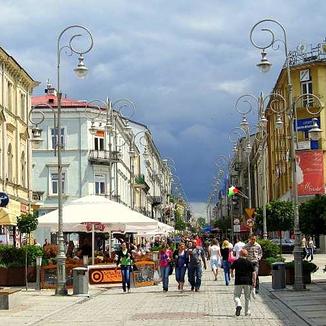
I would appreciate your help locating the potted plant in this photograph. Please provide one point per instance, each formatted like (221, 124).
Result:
(307, 269)
(271, 254)
(12, 264)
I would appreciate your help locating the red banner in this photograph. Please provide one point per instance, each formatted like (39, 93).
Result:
(310, 172)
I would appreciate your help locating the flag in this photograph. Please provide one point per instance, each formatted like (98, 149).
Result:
(232, 191)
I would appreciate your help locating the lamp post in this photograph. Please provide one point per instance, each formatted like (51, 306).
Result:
(81, 71)
(252, 102)
(264, 65)
(112, 111)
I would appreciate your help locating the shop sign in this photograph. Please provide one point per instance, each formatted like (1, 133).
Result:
(104, 275)
(97, 226)
(23, 208)
(236, 228)
(4, 199)
(144, 273)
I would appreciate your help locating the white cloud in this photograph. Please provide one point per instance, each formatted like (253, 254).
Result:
(198, 209)
(233, 87)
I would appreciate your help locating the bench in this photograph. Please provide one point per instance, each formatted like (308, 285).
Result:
(7, 298)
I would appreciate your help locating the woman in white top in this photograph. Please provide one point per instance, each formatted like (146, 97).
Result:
(215, 257)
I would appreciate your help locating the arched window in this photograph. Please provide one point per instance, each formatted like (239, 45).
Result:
(9, 166)
(23, 169)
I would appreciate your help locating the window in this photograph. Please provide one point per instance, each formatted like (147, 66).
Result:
(306, 88)
(54, 183)
(99, 143)
(23, 106)
(54, 137)
(23, 169)
(10, 95)
(99, 184)
(9, 162)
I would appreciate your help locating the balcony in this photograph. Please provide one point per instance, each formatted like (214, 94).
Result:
(155, 200)
(140, 182)
(103, 157)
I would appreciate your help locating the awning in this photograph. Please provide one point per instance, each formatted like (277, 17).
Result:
(6, 217)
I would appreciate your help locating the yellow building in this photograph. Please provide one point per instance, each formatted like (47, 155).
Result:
(308, 75)
(16, 87)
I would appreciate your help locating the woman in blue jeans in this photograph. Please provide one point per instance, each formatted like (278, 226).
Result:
(226, 247)
(180, 257)
(165, 258)
(125, 262)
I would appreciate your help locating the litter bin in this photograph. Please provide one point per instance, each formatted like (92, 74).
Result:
(80, 281)
(278, 276)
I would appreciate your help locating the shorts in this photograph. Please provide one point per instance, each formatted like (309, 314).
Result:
(215, 263)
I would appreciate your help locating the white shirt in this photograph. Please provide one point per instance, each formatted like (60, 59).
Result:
(214, 251)
(237, 248)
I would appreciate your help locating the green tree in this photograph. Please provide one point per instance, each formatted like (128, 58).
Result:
(27, 223)
(279, 216)
(201, 221)
(180, 224)
(312, 215)
(224, 224)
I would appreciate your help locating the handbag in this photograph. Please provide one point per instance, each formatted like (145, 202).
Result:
(231, 258)
(171, 265)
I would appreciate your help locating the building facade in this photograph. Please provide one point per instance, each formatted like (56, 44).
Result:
(16, 87)
(308, 75)
(101, 155)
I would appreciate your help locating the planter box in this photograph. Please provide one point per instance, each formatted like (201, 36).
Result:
(15, 276)
(289, 272)
(264, 268)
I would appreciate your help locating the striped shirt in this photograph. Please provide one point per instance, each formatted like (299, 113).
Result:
(254, 252)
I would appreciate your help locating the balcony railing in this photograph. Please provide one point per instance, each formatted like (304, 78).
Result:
(140, 182)
(103, 157)
(155, 200)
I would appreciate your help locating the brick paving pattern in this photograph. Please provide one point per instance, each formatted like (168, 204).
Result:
(212, 305)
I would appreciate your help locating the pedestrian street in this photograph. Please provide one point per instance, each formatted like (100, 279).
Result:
(212, 305)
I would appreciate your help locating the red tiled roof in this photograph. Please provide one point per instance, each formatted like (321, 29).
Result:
(52, 100)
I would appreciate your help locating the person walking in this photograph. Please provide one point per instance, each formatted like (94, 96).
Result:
(180, 257)
(245, 278)
(165, 257)
(125, 262)
(237, 247)
(196, 258)
(215, 257)
(255, 254)
(225, 253)
(310, 249)
(304, 247)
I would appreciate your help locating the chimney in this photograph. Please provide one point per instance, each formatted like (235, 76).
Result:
(50, 90)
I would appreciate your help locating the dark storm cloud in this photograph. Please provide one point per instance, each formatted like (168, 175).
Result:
(183, 63)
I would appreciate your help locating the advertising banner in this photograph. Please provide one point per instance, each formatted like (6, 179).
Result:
(310, 176)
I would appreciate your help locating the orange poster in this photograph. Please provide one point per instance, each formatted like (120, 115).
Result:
(104, 275)
(310, 172)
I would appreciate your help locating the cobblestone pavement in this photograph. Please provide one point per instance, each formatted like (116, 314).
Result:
(146, 306)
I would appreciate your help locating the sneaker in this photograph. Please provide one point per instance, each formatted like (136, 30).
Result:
(248, 313)
(238, 310)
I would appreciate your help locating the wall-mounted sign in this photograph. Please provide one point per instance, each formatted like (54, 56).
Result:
(236, 228)
(4, 199)
(309, 171)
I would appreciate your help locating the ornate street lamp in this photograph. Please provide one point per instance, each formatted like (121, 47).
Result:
(81, 72)
(258, 103)
(265, 66)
